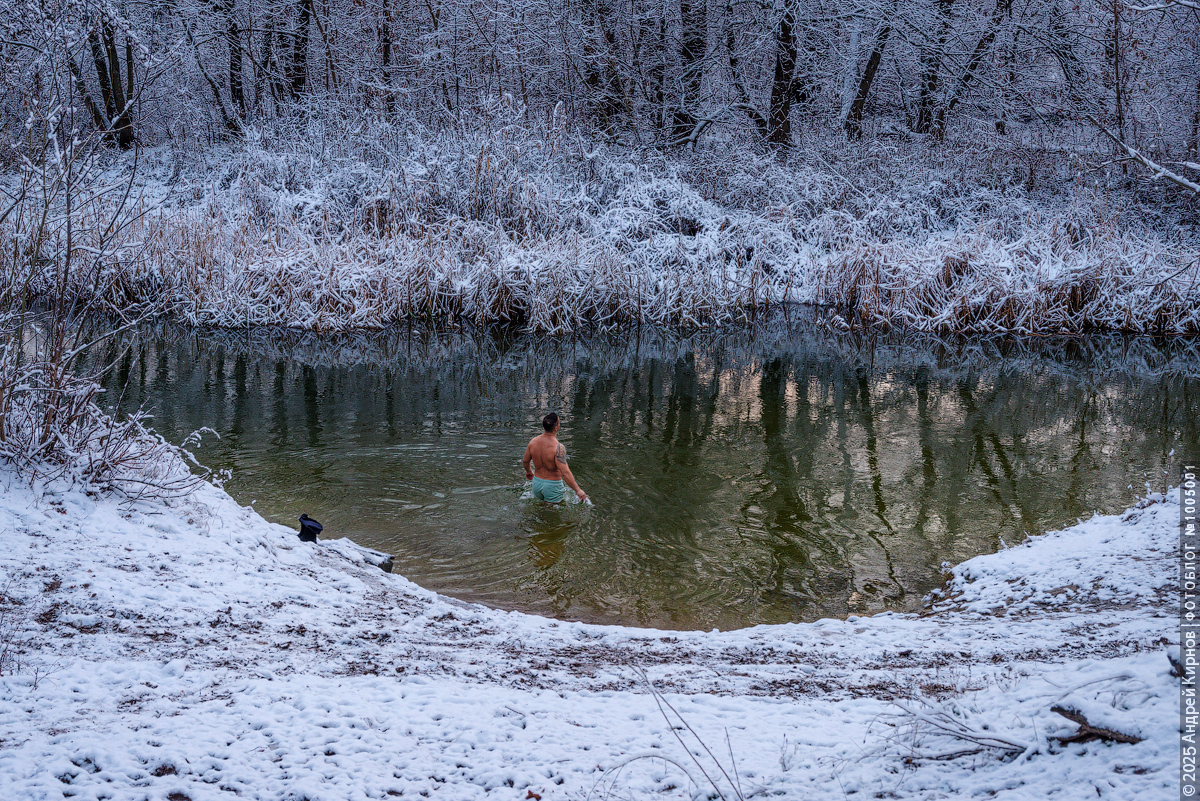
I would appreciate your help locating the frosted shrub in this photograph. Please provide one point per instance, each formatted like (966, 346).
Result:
(493, 219)
(70, 243)
(51, 426)
(1048, 280)
(650, 205)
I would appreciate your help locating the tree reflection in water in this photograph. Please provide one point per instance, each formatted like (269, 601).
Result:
(761, 475)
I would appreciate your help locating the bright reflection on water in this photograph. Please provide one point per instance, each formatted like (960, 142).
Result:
(751, 477)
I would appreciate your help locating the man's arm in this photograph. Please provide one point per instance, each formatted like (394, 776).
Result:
(560, 456)
(525, 460)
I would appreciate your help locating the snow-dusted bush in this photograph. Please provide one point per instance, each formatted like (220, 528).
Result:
(491, 220)
(1055, 278)
(67, 241)
(51, 426)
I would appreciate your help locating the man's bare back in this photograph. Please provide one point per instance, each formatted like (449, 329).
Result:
(545, 451)
(549, 457)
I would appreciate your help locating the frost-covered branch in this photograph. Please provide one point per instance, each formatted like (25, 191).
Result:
(1157, 170)
(1166, 5)
(948, 720)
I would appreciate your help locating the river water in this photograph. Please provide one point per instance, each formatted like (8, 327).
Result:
(764, 475)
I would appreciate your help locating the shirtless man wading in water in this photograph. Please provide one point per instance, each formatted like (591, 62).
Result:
(549, 458)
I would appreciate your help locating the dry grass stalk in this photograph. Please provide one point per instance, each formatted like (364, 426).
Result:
(496, 223)
(1045, 282)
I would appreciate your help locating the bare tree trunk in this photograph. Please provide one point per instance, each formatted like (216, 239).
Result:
(931, 67)
(124, 121)
(262, 70)
(1063, 50)
(128, 69)
(331, 75)
(656, 76)
(102, 74)
(1194, 147)
(114, 67)
(804, 88)
(780, 123)
(118, 126)
(521, 83)
(88, 103)
(743, 99)
(692, 49)
(853, 124)
(608, 96)
(231, 122)
(435, 19)
(1010, 80)
(233, 38)
(297, 73)
(981, 49)
(1116, 59)
(385, 68)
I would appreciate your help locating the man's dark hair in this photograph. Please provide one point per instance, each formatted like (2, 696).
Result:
(549, 422)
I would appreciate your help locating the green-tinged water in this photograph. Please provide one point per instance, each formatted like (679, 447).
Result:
(760, 476)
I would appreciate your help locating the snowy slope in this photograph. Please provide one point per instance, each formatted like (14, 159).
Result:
(193, 650)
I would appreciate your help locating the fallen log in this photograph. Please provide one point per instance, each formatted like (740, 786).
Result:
(1087, 732)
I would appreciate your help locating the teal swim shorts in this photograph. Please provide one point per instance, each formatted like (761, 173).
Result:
(550, 491)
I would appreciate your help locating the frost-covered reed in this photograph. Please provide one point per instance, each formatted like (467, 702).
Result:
(1057, 278)
(229, 272)
(493, 222)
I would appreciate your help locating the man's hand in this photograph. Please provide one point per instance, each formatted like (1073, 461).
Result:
(581, 495)
(528, 474)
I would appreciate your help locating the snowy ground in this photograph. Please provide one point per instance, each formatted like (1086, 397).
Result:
(195, 651)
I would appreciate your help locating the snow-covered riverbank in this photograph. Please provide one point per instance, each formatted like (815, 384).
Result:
(196, 651)
(561, 235)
